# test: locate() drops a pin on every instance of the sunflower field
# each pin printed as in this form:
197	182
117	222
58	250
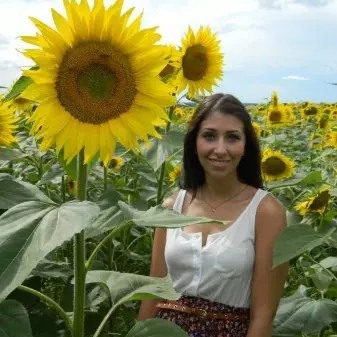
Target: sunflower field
91	142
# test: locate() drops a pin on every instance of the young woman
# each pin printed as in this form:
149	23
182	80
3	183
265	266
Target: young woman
224	274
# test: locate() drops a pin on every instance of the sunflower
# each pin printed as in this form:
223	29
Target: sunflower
98	80
71	186
309	110
179	112
276	166
116	163
277	116
174	173
315	203
201	62
21	104
7	124
257	129
331	139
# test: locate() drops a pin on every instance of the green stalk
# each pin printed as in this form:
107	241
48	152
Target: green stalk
101	245
79	255
163	165
105	178
51	303
104	321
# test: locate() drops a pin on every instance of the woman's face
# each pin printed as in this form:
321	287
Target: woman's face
220	144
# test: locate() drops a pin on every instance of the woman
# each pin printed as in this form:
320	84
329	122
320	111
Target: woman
224	274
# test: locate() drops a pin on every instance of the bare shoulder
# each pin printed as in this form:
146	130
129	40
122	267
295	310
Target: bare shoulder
169	202
271	213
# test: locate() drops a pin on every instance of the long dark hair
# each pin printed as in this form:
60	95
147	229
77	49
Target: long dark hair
249	168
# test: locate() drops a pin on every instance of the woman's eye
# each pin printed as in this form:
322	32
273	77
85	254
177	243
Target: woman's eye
209	136
234	137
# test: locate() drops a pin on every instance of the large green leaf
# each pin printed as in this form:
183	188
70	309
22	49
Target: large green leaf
296	240
14	320
300	313
156	327
29	231
162	149
13	192
125	287
159	216
10	154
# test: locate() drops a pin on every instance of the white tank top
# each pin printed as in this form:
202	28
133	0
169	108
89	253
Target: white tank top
220	271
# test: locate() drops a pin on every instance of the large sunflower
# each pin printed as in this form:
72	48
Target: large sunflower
331	139
276	166
315	203
201	62
7	124
97	81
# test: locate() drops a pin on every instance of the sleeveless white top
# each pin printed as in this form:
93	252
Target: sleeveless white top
220	271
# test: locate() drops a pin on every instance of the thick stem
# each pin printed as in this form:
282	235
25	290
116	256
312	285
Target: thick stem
79	255
51	303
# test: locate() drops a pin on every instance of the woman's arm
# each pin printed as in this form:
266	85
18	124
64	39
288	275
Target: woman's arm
158	265
267	283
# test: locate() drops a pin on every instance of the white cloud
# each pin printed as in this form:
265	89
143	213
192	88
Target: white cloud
295	78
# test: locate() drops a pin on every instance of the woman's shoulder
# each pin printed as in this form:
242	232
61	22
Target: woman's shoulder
170	200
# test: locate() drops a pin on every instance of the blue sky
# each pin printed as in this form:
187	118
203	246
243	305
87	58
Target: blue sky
285	45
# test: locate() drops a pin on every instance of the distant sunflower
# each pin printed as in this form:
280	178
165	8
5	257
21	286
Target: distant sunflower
7	124
71	186
179	112
257	129
174	173
276	166
331	139
322	121
277	116
316	203
201	62
309	110
21	104
116	163
98	80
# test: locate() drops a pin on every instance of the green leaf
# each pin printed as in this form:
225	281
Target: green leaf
296	240
311	179
13	192
321	279
125	287
14	320
29	231
50	268
159	216
19	86
156	327
109	216
299	313
162	149
10	154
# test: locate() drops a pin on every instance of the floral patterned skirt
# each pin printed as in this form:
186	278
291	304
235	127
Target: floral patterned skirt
207	327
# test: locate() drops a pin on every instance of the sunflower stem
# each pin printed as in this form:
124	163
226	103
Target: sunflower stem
105	178
79	254
163	165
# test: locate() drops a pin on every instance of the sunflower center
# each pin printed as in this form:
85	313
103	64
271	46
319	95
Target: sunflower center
310	111
320	201
95	82
273	166
195	63
275	116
